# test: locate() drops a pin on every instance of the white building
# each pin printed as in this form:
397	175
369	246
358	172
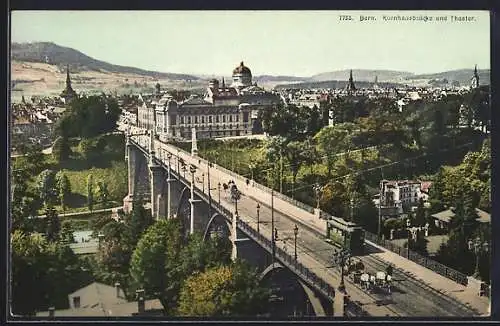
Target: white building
222	111
401	194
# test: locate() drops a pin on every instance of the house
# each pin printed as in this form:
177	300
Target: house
101	300
401	194
442	219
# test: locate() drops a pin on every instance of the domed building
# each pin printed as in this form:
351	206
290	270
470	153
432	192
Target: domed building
223	110
242	76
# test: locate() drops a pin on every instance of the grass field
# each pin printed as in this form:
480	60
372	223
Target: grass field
108	167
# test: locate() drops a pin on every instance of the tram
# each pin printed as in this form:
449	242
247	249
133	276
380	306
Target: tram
345	235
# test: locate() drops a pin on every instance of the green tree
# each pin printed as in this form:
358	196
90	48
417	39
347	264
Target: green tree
160	246
90	192
61	150
67	232
223	291
420	219
137	221
102	192
48	187
64	190
46	271
53	224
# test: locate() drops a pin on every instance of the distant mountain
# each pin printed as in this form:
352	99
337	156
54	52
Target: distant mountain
48	52
363	75
462	76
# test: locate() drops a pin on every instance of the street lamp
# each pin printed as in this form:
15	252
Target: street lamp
235	195
343	256
258	217
477	247
192	169
408	225
203	181
317	191
251	167
218	189
295	233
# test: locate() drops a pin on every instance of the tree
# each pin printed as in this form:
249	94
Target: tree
420	219
64	190
160	246
46	271
61	149
137	221
67	232
223	291
102	192
48	187
53	225
90	192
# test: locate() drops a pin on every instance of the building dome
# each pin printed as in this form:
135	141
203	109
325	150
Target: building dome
241	69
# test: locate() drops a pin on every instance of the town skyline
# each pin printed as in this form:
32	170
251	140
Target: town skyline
415	46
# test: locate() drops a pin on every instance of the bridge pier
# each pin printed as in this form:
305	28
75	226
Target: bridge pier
339	304
131	156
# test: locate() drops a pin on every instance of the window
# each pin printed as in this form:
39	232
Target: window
217	118
189	119
195	119
230	118
245	116
209	119
223	118
173	120
237	118
202	119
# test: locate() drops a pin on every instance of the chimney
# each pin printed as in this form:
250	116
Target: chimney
51	311
141	305
117	287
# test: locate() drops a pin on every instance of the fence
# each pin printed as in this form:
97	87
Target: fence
433	265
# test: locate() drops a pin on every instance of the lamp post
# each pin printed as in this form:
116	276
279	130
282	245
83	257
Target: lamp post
258	217
477	247
218	189
408	225
192	169
251	167
343	255
235	195
169	155
295	233
273	239
317	191
203	182
209	190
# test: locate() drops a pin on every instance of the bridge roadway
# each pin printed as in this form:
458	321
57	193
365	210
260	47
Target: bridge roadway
409	297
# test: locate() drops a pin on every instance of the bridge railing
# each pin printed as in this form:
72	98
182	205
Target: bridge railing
426	262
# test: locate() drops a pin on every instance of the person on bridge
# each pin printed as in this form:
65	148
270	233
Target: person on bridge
389	270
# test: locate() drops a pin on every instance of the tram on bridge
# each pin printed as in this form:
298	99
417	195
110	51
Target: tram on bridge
345	235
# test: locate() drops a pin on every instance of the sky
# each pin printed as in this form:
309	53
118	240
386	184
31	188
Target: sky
294	43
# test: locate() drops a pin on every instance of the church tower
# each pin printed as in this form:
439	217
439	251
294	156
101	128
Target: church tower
68	93
350	87
475	79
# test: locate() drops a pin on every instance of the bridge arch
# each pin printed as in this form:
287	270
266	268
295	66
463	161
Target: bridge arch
219	224
291	295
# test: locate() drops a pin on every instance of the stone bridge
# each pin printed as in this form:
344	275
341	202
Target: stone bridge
174	189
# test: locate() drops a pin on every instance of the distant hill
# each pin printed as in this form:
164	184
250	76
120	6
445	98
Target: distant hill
462	76
363	75
268	78
338	84
48	52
